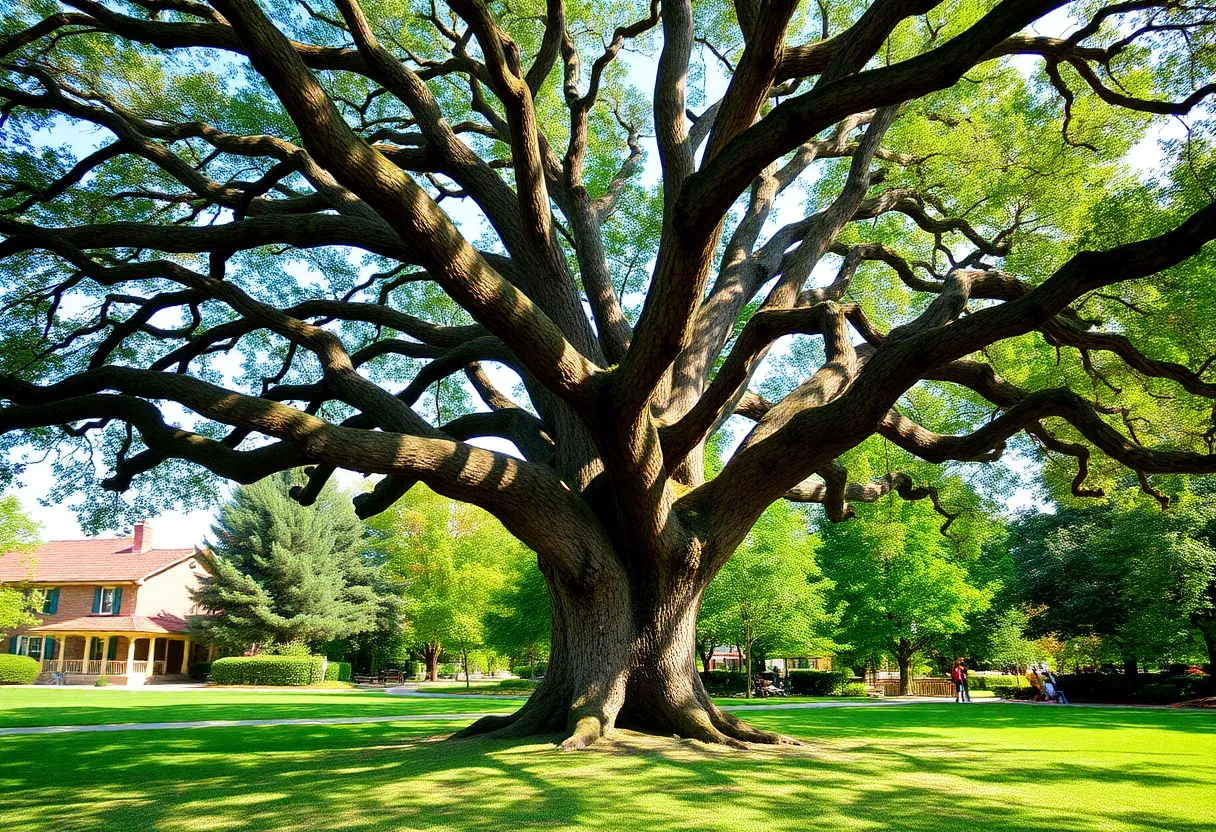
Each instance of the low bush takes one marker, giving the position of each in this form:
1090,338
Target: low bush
853,689
102,682
988,682
818,682
289,671
337,672
724,682
200,669
1012,691
18,670
1144,688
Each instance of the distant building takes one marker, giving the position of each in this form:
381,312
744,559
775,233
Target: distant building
113,607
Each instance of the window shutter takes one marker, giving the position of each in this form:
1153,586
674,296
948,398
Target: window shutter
51,604
117,600
112,652
12,645
96,600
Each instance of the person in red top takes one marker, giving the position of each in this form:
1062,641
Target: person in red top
959,676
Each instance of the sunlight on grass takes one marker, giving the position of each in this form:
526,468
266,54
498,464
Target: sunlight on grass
90,706
918,768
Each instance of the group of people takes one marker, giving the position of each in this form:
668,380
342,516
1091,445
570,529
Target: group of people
1043,681
1046,685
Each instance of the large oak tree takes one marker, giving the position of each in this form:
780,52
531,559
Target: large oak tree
184,298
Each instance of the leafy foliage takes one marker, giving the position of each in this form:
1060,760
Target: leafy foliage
284,572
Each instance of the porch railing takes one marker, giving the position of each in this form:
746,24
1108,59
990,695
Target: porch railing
158,668
116,668
73,666
93,668
139,667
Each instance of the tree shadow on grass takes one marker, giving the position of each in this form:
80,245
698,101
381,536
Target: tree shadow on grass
396,776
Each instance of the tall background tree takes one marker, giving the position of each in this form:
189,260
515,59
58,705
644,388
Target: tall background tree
904,586
284,572
1139,581
19,536
450,561
281,233
771,596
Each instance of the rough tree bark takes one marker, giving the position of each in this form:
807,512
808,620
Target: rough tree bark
609,485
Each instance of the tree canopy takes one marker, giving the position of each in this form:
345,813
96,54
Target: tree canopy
1142,581
241,237
19,536
450,561
771,596
902,584
282,572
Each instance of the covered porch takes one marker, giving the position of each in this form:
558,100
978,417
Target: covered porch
123,656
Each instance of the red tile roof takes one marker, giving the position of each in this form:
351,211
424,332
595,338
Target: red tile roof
116,624
101,561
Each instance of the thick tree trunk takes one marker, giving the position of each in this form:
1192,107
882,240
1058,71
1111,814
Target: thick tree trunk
1130,667
904,657
623,657
1209,638
430,655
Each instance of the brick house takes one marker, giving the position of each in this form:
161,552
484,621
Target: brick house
116,607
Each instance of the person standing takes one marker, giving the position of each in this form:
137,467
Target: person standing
959,676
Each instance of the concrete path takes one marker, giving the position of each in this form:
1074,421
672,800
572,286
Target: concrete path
228,723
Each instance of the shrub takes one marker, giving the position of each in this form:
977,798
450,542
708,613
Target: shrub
288,671
447,671
337,672
200,669
724,682
818,682
1012,691
18,670
993,682
853,689
298,649
102,682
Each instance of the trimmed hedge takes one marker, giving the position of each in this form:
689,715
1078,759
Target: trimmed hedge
525,670
337,672
853,689
1144,688
289,671
818,682
18,670
199,669
724,682
993,682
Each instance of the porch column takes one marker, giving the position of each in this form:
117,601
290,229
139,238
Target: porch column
186,657
130,655
105,652
151,655
88,652
63,649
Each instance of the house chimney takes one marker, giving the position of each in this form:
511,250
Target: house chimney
143,537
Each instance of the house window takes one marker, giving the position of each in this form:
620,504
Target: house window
50,601
107,600
30,646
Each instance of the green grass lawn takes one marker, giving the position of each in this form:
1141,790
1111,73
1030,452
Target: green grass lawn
90,706
913,767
